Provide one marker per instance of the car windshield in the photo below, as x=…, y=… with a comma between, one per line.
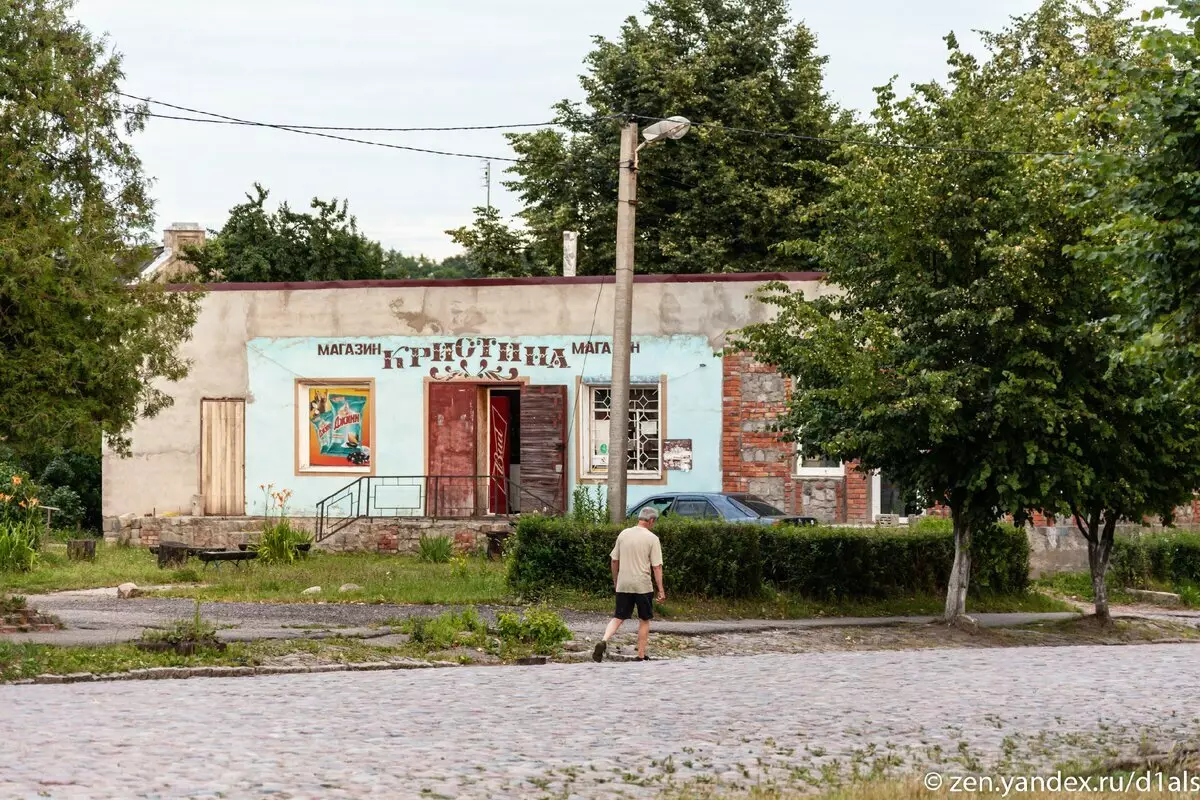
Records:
x=757, y=505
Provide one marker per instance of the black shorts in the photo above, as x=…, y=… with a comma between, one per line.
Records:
x=627, y=600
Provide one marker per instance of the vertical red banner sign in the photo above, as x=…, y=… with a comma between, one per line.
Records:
x=499, y=447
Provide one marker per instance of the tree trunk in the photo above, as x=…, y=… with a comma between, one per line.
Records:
x=81, y=549
x=960, y=573
x=1100, y=546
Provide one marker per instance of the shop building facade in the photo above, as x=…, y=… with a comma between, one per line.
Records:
x=457, y=399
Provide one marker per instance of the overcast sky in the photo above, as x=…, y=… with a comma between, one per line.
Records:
x=405, y=63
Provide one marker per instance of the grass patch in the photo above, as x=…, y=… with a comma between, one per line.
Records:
x=1079, y=585
x=113, y=566
x=781, y=605
x=383, y=578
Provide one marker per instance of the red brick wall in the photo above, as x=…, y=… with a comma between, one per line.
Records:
x=753, y=459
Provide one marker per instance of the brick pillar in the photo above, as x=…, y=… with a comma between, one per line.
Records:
x=858, y=496
x=753, y=457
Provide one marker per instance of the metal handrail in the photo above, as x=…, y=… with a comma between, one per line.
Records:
x=361, y=496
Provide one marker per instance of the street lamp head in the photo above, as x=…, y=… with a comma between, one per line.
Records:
x=672, y=128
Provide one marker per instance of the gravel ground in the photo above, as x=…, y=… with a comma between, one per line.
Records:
x=588, y=730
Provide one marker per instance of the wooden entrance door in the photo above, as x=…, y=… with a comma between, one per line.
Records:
x=223, y=457
x=450, y=485
x=543, y=448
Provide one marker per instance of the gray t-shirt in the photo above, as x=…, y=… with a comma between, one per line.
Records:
x=638, y=550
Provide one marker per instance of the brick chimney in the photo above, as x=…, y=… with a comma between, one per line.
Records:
x=183, y=233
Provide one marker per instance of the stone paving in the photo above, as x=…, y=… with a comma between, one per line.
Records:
x=585, y=730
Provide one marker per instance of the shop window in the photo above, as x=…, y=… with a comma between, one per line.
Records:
x=644, y=458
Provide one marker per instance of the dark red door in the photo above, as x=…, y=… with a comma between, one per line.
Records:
x=450, y=486
x=544, y=448
x=499, y=452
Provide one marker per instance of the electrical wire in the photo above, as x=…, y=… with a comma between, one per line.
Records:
x=226, y=120
x=860, y=142
x=336, y=137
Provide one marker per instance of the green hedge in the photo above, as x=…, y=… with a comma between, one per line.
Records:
x=718, y=559
x=711, y=559
x=1171, y=558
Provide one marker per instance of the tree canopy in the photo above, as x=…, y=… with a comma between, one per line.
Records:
x=81, y=349
x=972, y=356
x=257, y=245
x=718, y=200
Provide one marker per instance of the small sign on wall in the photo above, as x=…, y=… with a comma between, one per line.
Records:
x=677, y=454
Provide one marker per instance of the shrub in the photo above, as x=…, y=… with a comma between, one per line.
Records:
x=712, y=559
x=19, y=545
x=542, y=628
x=11, y=605
x=435, y=549
x=720, y=559
x=1171, y=558
x=588, y=507
x=280, y=543
x=70, y=508
x=444, y=631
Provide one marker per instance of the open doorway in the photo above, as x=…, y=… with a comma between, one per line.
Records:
x=504, y=450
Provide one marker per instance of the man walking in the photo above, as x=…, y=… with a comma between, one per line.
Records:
x=636, y=555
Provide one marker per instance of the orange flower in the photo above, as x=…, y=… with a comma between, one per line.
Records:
x=16, y=480
x=33, y=502
x=21, y=504
x=4, y=498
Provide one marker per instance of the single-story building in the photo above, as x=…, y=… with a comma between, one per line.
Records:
x=468, y=398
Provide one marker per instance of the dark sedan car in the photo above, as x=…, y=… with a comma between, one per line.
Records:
x=728, y=506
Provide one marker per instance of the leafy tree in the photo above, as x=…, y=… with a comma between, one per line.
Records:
x=965, y=345
x=1153, y=100
x=717, y=200
x=398, y=265
x=260, y=246
x=495, y=250
x=81, y=349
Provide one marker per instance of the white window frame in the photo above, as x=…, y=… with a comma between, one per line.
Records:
x=877, y=499
x=801, y=471
x=586, y=391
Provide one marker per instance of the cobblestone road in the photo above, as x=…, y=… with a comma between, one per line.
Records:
x=591, y=730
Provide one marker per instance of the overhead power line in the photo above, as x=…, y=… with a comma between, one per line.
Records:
x=306, y=132
x=860, y=142
x=226, y=120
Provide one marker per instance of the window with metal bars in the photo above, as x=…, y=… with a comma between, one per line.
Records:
x=644, y=455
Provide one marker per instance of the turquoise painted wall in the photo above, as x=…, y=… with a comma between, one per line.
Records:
x=693, y=409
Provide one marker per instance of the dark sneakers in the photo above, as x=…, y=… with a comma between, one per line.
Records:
x=599, y=651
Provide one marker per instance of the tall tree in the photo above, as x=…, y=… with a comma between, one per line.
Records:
x=81, y=350
x=495, y=250
x=947, y=362
x=1154, y=182
x=256, y=245
x=715, y=201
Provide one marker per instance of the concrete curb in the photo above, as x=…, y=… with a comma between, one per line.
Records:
x=179, y=673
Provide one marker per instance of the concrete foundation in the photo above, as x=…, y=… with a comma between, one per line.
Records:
x=379, y=535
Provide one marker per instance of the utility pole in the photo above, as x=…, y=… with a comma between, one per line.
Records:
x=487, y=182
x=618, y=416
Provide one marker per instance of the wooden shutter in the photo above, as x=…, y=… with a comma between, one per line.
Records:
x=450, y=485
x=223, y=457
x=543, y=448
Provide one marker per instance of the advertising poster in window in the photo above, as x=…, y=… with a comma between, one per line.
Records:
x=337, y=427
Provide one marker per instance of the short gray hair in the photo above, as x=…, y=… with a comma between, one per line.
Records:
x=648, y=514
